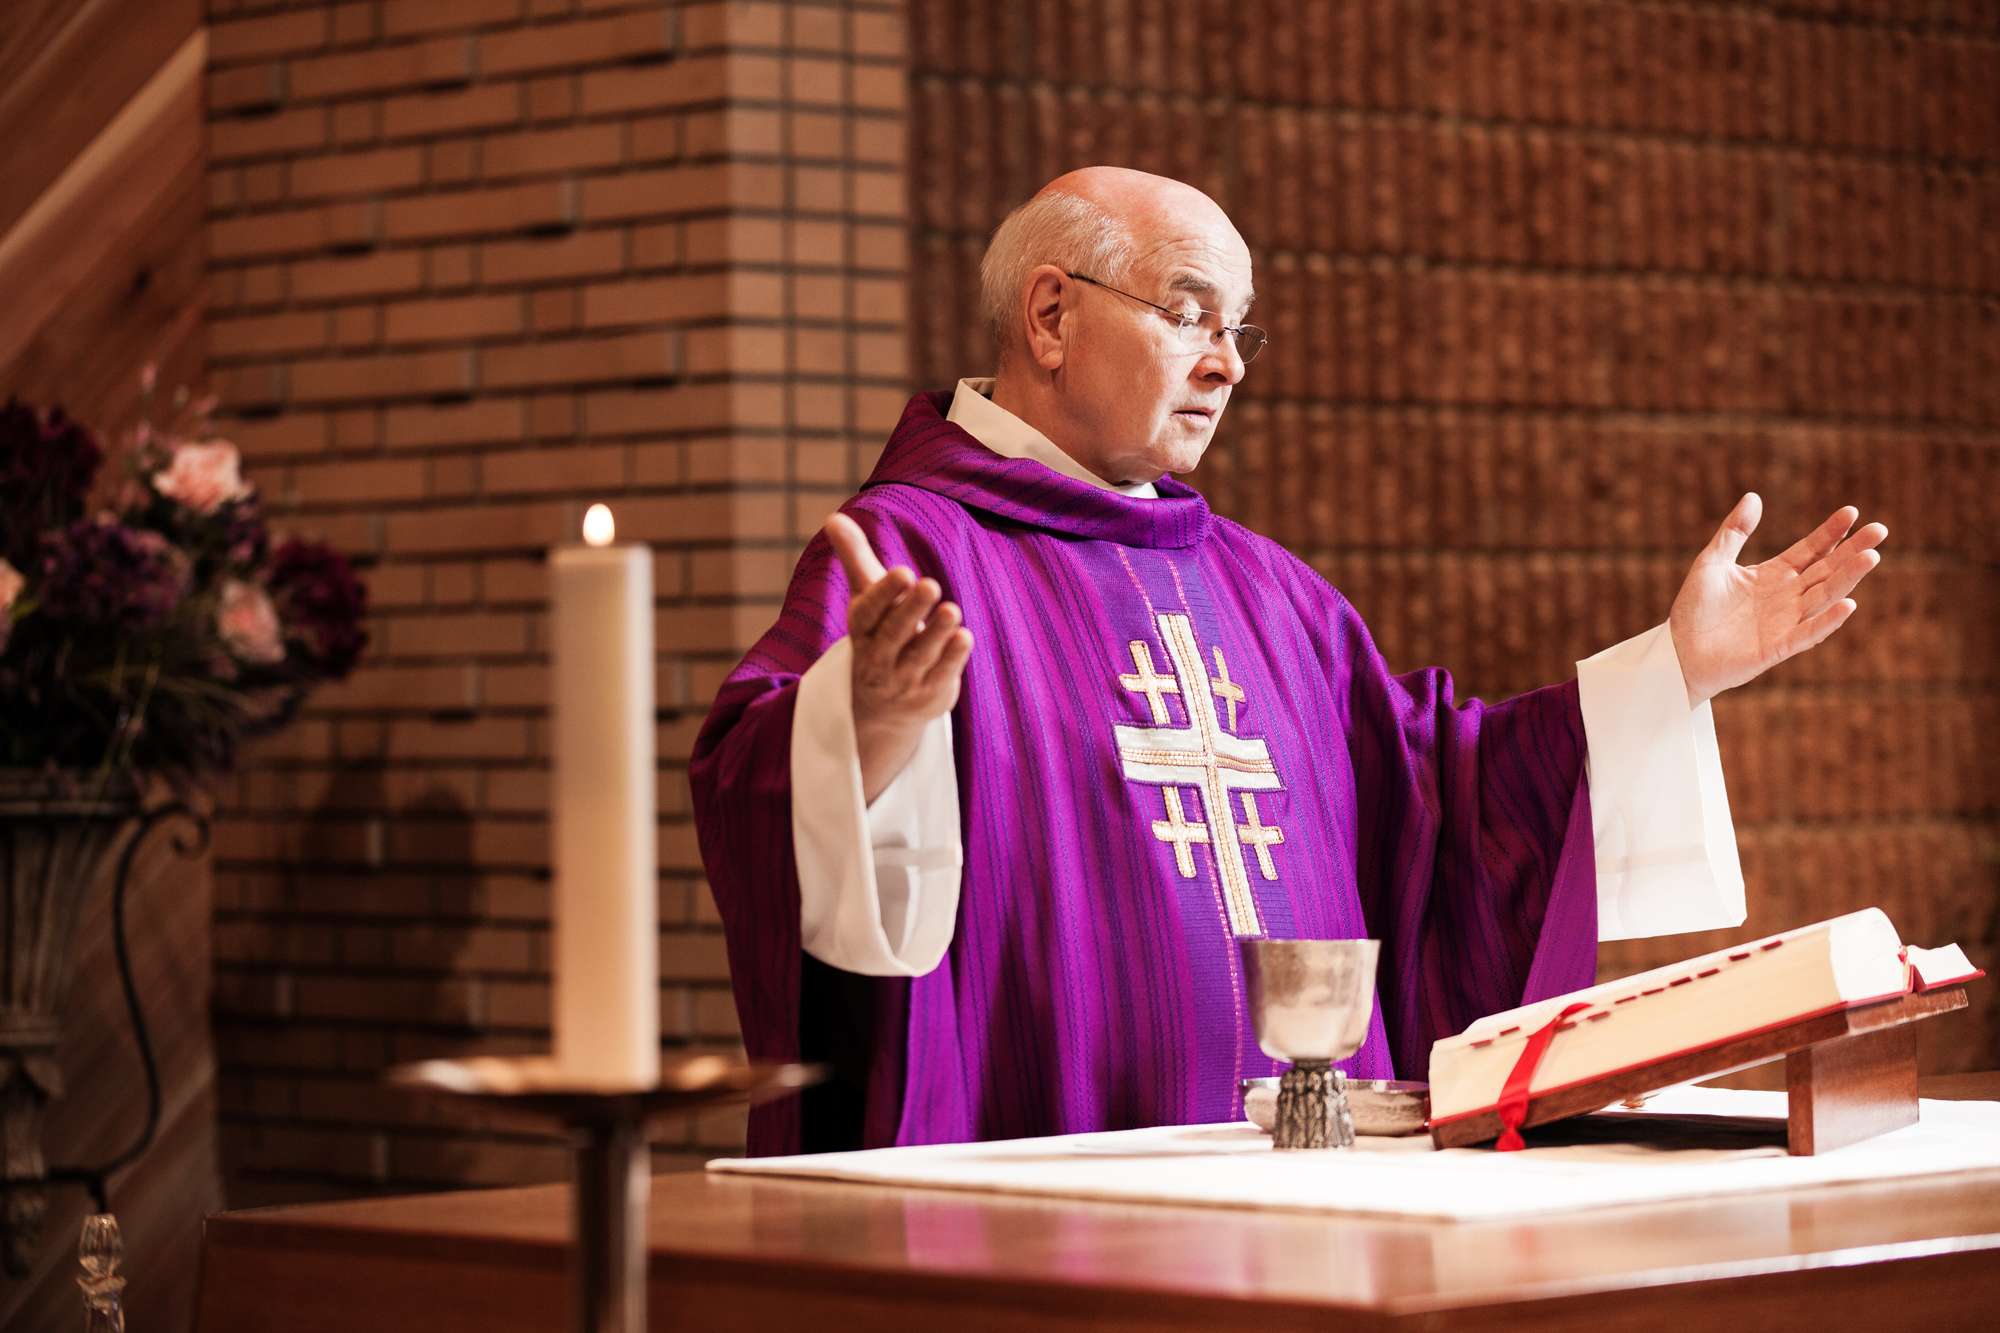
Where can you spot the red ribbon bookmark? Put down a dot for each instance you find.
(1513, 1105)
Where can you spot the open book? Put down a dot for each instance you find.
(1844, 963)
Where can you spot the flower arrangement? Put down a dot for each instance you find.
(149, 624)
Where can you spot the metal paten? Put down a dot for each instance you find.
(1382, 1107)
(1311, 1001)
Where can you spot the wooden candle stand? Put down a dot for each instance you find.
(608, 1131)
(1849, 1075)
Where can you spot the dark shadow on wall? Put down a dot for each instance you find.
(350, 966)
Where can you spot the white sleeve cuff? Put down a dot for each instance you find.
(1666, 846)
(878, 885)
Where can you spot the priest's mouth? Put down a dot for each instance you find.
(1196, 413)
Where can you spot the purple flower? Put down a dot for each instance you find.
(100, 572)
(157, 635)
(47, 465)
(321, 604)
(246, 540)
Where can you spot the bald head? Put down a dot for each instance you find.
(1108, 222)
(1142, 201)
(1108, 294)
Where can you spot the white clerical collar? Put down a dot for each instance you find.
(974, 411)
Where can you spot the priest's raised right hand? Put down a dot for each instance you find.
(909, 655)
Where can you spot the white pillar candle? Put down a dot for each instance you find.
(605, 907)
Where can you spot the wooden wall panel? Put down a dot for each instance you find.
(66, 67)
(102, 269)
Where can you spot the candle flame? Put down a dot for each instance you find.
(598, 528)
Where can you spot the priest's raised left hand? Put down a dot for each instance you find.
(1732, 622)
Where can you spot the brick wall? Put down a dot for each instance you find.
(1550, 283)
(1549, 286)
(474, 265)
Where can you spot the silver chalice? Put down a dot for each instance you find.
(1311, 1000)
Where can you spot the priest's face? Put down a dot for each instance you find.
(1144, 397)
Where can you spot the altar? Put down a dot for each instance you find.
(752, 1252)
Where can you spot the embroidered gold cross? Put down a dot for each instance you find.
(1225, 688)
(1259, 835)
(1181, 834)
(1204, 756)
(1148, 684)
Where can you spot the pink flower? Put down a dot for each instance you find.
(203, 477)
(249, 624)
(11, 584)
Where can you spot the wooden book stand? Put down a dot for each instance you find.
(1849, 1075)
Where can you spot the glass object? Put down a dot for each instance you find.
(100, 1249)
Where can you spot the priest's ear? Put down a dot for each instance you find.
(1043, 316)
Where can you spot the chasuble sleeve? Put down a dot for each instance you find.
(741, 780)
(1473, 847)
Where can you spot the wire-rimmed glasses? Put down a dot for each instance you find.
(1197, 330)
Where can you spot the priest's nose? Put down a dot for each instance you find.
(1221, 363)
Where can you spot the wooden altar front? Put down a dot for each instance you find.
(746, 1253)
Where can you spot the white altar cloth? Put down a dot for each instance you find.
(1233, 1165)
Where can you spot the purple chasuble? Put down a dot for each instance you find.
(1171, 733)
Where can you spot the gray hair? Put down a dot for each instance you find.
(1066, 230)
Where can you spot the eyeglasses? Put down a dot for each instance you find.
(1200, 329)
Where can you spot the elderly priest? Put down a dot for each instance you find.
(1037, 737)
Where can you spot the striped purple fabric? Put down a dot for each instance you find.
(1171, 732)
